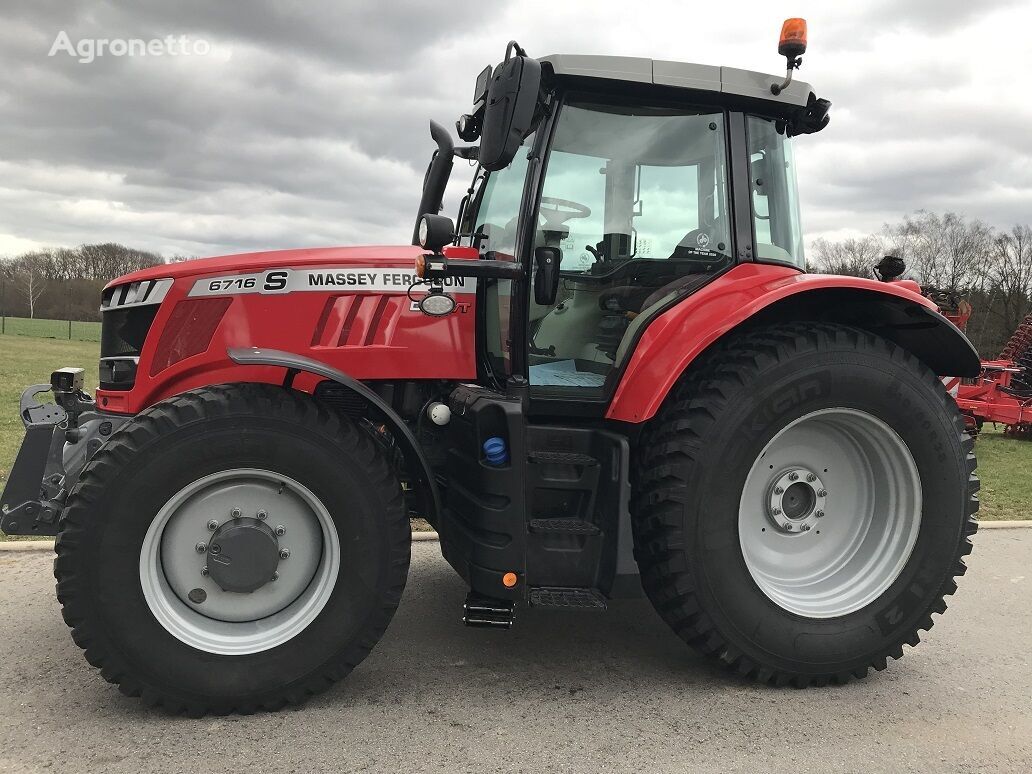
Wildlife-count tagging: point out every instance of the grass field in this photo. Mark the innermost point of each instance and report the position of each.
(51, 329)
(1004, 464)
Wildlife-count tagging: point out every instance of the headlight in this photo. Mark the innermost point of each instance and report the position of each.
(437, 304)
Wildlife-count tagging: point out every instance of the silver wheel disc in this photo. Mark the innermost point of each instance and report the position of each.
(830, 513)
(182, 542)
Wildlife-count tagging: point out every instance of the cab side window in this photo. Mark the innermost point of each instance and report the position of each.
(775, 203)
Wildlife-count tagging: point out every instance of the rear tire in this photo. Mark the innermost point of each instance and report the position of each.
(725, 560)
(306, 479)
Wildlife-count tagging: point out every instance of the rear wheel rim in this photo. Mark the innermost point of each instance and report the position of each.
(830, 513)
(184, 597)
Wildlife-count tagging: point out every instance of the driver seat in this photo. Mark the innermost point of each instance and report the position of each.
(680, 287)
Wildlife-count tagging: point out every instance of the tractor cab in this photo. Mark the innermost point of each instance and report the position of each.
(619, 187)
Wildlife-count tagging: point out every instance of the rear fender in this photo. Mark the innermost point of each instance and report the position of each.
(296, 364)
(756, 294)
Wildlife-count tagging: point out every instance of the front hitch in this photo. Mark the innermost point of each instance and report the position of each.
(60, 437)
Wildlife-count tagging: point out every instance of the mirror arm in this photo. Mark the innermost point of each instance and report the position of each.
(437, 176)
(506, 270)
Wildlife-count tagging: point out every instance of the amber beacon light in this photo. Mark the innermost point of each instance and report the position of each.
(792, 46)
(792, 43)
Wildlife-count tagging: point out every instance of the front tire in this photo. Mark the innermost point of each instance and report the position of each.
(233, 548)
(806, 496)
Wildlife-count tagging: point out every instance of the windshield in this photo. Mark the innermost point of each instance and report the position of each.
(775, 198)
(493, 215)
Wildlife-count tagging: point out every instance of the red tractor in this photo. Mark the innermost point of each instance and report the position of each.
(613, 376)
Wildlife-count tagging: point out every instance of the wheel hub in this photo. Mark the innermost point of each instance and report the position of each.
(239, 561)
(243, 555)
(844, 495)
(797, 500)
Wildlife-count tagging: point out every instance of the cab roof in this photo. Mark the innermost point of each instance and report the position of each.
(723, 80)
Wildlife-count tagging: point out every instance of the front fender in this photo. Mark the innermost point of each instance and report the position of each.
(414, 457)
(753, 294)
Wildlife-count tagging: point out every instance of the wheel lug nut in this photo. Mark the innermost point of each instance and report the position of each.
(806, 528)
(789, 527)
(213, 525)
(822, 493)
(201, 548)
(275, 576)
(793, 476)
(281, 530)
(776, 511)
(819, 514)
(811, 478)
(778, 490)
(284, 553)
(215, 549)
(263, 515)
(204, 572)
(236, 513)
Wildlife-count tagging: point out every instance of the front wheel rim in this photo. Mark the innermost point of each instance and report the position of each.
(830, 513)
(173, 565)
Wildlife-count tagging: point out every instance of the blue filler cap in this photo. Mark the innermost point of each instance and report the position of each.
(495, 451)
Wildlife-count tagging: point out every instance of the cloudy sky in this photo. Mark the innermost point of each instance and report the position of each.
(305, 123)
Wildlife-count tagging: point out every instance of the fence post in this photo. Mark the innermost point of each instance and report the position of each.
(69, 330)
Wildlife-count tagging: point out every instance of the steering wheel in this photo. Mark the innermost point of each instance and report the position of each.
(563, 210)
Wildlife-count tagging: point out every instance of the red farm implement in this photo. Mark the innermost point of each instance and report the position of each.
(1002, 393)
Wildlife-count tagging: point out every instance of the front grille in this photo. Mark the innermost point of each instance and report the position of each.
(128, 311)
(124, 330)
(144, 292)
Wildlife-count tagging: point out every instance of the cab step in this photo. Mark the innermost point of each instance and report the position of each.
(567, 597)
(487, 611)
(561, 458)
(563, 527)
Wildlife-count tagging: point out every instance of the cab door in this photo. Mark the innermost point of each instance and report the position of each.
(636, 198)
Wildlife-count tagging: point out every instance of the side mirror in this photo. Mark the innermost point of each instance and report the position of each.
(546, 281)
(511, 103)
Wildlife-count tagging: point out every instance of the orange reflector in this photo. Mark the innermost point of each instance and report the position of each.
(793, 37)
(509, 580)
(420, 265)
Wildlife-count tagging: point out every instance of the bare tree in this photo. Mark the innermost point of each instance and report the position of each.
(1010, 273)
(6, 280)
(945, 251)
(30, 280)
(854, 257)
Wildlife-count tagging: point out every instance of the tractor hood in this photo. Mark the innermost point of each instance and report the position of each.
(392, 255)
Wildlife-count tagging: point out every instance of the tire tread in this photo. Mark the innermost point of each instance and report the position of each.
(149, 427)
(672, 444)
